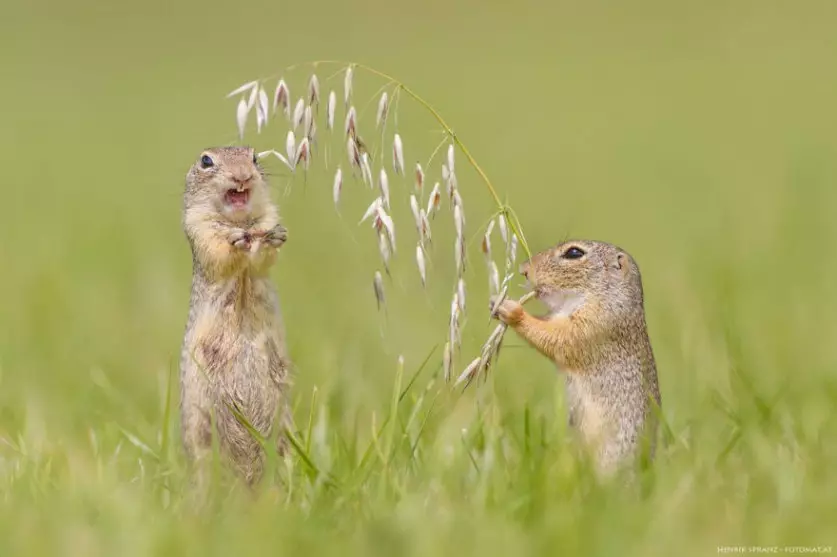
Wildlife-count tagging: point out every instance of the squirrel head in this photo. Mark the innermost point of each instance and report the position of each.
(227, 181)
(579, 272)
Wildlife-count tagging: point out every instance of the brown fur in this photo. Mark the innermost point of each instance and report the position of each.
(234, 351)
(596, 333)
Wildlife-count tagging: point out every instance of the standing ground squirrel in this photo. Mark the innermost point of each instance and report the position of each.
(596, 333)
(234, 353)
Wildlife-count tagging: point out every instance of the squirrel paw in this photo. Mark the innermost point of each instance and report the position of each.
(276, 236)
(240, 239)
(510, 312)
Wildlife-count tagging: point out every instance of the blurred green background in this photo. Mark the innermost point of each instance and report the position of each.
(699, 136)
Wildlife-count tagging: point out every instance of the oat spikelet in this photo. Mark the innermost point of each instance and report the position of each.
(459, 254)
(241, 117)
(507, 279)
(246, 87)
(378, 284)
(308, 121)
(282, 96)
(491, 347)
(485, 360)
(425, 226)
(263, 109)
(353, 152)
(450, 158)
(331, 107)
(383, 107)
(366, 169)
(251, 100)
(421, 266)
(453, 329)
(299, 112)
(388, 225)
(314, 90)
(312, 132)
(414, 207)
(398, 155)
(496, 334)
(460, 291)
(449, 178)
(383, 184)
(447, 361)
(290, 146)
(486, 240)
(260, 119)
(499, 300)
(493, 279)
(303, 153)
(338, 185)
(435, 200)
(276, 154)
(457, 202)
(264, 103)
(347, 85)
(351, 122)
(469, 372)
(383, 248)
(504, 231)
(419, 177)
(495, 341)
(458, 222)
(372, 209)
(512, 257)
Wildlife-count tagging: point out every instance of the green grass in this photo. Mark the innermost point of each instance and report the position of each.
(698, 136)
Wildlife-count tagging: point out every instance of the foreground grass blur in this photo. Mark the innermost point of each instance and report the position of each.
(698, 137)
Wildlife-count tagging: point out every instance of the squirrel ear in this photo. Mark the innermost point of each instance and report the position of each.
(621, 263)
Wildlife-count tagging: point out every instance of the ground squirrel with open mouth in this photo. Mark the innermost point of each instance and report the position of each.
(596, 333)
(234, 355)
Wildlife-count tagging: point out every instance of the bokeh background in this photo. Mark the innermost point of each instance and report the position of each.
(699, 136)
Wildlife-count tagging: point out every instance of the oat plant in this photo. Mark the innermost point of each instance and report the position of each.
(371, 150)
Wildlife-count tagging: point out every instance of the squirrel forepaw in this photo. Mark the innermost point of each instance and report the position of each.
(276, 236)
(509, 312)
(240, 239)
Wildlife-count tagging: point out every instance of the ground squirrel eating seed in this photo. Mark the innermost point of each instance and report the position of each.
(234, 357)
(596, 333)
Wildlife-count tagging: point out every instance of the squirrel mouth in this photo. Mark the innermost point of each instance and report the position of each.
(237, 197)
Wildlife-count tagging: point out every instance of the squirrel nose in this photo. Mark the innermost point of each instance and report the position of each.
(524, 270)
(242, 178)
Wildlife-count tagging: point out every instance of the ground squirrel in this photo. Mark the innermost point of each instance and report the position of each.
(596, 333)
(234, 353)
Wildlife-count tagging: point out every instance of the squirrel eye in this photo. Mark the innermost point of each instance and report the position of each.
(573, 253)
(255, 159)
(206, 161)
